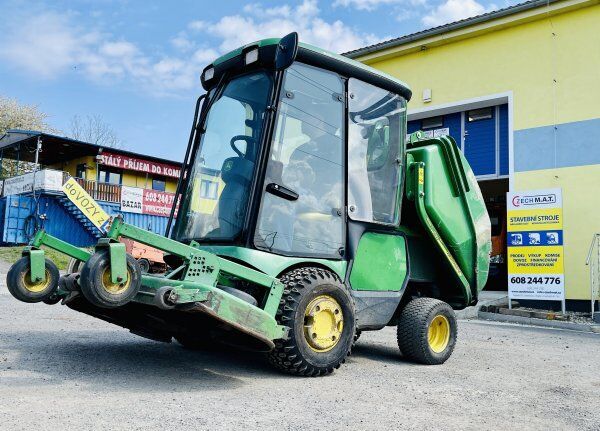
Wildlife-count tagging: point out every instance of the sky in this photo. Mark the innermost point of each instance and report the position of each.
(137, 63)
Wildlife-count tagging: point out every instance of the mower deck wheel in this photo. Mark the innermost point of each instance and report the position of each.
(97, 286)
(18, 281)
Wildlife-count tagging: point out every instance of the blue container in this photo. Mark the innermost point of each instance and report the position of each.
(17, 221)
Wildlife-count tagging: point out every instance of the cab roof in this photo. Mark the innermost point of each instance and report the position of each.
(322, 58)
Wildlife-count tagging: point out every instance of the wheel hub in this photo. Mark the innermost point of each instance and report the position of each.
(114, 288)
(35, 287)
(323, 323)
(438, 334)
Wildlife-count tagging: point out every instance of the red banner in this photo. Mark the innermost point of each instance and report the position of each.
(140, 165)
(145, 201)
(157, 203)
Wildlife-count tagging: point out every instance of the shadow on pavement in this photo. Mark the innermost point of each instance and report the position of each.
(134, 364)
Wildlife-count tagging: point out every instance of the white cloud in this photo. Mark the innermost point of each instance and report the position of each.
(119, 49)
(182, 43)
(53, 44)
(454, 10)
(44, 46)
(261, 22)
(197, 25)
(364, 4)
(371, 5)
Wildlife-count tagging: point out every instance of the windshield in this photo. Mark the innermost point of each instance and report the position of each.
(215, 202)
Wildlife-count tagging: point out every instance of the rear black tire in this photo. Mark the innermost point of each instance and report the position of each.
(302, 288)
(414, 328)
(22, 288)
(96, 285)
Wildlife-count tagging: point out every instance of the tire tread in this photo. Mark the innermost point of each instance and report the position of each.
(413, 329)
(286, 355)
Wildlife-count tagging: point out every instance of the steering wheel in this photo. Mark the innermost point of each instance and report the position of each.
(250, 142)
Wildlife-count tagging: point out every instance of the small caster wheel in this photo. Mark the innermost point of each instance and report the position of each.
(53, 299)
(18, 281)
(144, 265)
(165, 298)
(97, 286)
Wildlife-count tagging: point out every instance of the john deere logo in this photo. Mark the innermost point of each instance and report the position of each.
(228, 165)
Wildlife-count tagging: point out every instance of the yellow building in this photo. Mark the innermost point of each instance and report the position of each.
(519, 90)
(92, 163)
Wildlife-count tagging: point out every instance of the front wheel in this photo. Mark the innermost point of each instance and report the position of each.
(18, 281)
(319, 311)
(427, 331)
(97, 286)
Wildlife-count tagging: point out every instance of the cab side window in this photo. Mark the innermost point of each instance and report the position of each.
(376, 136)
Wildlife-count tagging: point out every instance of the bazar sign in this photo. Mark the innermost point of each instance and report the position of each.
(535, 245)
(140, 165)
(144, 201)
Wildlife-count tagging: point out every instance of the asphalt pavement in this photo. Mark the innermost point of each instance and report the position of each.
(61, 370)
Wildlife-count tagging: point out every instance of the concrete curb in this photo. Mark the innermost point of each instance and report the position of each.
(472, 312)
(580, 327)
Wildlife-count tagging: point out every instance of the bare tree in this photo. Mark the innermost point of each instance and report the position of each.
(15, 115)
(93, 129)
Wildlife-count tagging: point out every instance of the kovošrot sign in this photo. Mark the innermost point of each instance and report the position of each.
(88, 206)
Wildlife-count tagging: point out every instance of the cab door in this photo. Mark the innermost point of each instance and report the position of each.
(302, 208)
(376, 145)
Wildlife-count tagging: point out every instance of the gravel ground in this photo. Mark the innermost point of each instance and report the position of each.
(63, 370)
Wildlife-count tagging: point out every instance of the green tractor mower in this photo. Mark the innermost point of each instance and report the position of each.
(306, 215)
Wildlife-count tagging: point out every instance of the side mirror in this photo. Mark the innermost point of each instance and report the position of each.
(286, 51)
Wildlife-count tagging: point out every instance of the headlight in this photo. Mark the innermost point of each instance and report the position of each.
(209, 74)
(251, 56)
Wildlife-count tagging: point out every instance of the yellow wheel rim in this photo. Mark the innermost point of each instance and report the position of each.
(439, 333)
(114, 288)
(323, 323)
(35, 287)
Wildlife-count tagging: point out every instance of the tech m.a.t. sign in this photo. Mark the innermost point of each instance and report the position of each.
(535, 245)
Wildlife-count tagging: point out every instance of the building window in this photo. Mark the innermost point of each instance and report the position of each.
(209, 189)
(110, 176)
(80, 171)
(479, 114)
(432, 122)
(158, 184)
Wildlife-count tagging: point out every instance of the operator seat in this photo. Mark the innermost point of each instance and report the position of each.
(320, 189)
(236, 173)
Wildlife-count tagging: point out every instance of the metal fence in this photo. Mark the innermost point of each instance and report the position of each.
(593, 261)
